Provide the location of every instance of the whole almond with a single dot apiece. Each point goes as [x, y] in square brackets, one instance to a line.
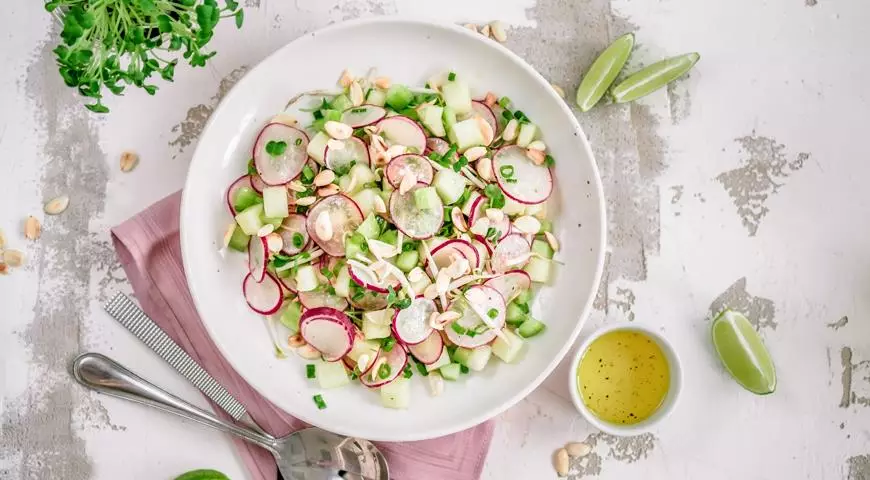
[383, 82]
[306, 201]
[498, 32]
[578, 449]
[32, 228]
[56, 206]
[559, 91]
[561, 462]
[13, 258]
[328, 190]
[129, 160]
[324, 178]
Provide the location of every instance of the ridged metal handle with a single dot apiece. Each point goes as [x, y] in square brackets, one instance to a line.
[128, 314]
[104, 375]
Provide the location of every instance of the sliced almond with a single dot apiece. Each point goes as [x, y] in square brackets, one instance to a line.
[328, 190]
[56, 205]
[308, 352]
[436, 384]
[383, 82]
[485, 30]
[356, 94]
[458, 268]
[275, 242]
[306, 201]
[295, 341]
[408, 182]
[483, 167]
[362, 363]
[338, 130]
[334, 144]
[485, 130]
[442, 281]
[558, 90]
[323, 226]
[379, 205]
[490, 100]
[527, 224]
[538, 145]
[381, 249]
[13, 258]
[32, 228]
[498, 31]
[480, 226]
[578, 449]
[510, 130]
[345, 79]
[416, 274]
[552, 241]
[433, 321]
[475, 153]
[561, 462]
[296, 186]
[129, 160]
[494, 215]
[471, 27]
[536, 156]
[265, 230]
[431, 292]
[324, 178]
[395, 151]
[458, 219]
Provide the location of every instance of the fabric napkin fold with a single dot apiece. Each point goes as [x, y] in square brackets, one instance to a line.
[150, 252]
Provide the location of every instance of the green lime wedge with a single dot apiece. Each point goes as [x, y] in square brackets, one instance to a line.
[653, 77]
[203, 475]
[742, 353]
[603, 72]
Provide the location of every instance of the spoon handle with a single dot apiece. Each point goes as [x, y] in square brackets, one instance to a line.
[104, 375]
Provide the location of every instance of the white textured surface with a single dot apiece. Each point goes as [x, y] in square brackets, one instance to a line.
[744, 183]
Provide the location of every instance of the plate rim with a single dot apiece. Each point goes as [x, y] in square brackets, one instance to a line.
[602, 227]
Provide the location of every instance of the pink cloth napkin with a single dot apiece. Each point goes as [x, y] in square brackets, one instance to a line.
[150, 253]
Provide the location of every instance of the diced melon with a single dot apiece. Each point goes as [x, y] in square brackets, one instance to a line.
[538, 269]
[317, 147]
[377, 97]
[306, 278]
[444, 359]
[275, 202]
[473, 358]
[507, 348]
[363, 174]
[457, 96]
[451, 371]
[420, 285]
[467, 134]
[527, 134]
[331, 374]
[449, 185]
[396, 394]
[541, 247]
[290, 316]
[372, 331]
[365, 199]
[363, 347]
[369, 228]
[342, 282]
[432, 117]
[250, 219]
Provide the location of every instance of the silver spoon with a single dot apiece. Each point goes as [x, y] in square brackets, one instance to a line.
[310, 454]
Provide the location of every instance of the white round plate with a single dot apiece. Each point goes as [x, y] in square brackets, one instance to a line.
[409, 52]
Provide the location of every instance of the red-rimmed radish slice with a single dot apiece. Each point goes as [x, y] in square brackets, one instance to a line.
[411, 325]
[428, 351]
[395, 358]
[510, 284]
[344, 217]
[243, 181]
[409, 163]
[353, 150]
[363, 115]
[258, 255]
[477, 302]
[444, 253]
[483, 249]
[289, 283]
[478, 210]
[499, 118]
[364, 277]
[533, 183]
[440, 146]
[280, 169]
[328, 330]
[370, 301]
[481, 110]
[401, 130]
[322, 299]
[258, 184]
[417, 223]
[264, 297]
[511, 253]
[293, 224]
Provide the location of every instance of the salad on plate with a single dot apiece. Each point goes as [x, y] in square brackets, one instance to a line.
[399, 230]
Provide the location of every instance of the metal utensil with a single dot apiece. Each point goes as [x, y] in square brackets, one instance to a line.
[310, 454]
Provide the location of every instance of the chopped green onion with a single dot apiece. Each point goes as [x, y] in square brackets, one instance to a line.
[523, 307]
[298, 142]
[307, 174]
[492, 313]
[408, 373]
[507, 171]
[451, 76]
[297, 240]
[495, 195]
[252, 170]
[504, 102]
[421, 369]
[388, 343]
[358, 110]
[460, 163]
[458, 328]
[274, 148]
[385, 371]
[317, 114]
[519, 115]
[549, 161]
[463, 369]
[318, 400]
[311, 371]
[507, 115]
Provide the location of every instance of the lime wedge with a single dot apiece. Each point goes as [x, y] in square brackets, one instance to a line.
[743, 354]
[603, 71]
[651, 78]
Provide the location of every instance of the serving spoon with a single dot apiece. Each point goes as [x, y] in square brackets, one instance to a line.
[309, 454]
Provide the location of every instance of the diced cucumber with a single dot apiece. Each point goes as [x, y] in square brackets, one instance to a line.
[275, 202]
[373, 331]
[366, 200]
[364, 347]
[450, 371]
[467, 134]
[530, 328]
[525, 296]
[250, 219]
[306, 278]
[245, 197]
[369, 228]
[466, 207]
[512, 207]
[461, 355]
[546, 226]
[398, 96]
[537, 210]
[443, 360]
[353, 246]
[426, 198]
[379, 317]
[514, 315]
[344, 185]
[406, 261]
[448, 115]
[342, 282]
[363, 174]
[317, 147]
[431, 116]
[291, 314]
[457, 96]
[331, 375]
[376, 97]
[541, 247]
[527, 134]
[538, 269]
[391, 237]
[449, 185]
[239, 241]
[479, 358]
[275, 222]
[507, 348]
[396, 394]
[341, 103]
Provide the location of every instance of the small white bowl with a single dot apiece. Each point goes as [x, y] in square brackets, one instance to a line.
[668, 404]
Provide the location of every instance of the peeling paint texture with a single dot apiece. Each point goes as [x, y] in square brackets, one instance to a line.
[761, 312]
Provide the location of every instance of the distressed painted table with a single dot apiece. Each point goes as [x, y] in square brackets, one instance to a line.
[743, 185]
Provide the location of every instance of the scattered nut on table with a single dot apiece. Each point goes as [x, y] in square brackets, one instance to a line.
[13, 258]
[32, 228]
[56, 205]
[561, 462]
[129, 160]
[578, 449]
[2, 239]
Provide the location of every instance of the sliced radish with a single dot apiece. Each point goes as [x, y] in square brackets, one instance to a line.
[409, 163]
[280, 169]
[417, 223]
[533, 183]
[510, 284]
[289, 283]
[481, 110]
[440, 146]
[511, 253]
[316, 299]
[243, 181]
[500, 122]
[478, 211]
[364, 277]
[363, 115]
[477, 302]
[370, 301]
[395, 358]
[444, 253]
[353, 150]
[293, 224]
[258, 184]
[258, 255]
[344, 217]
[483, 249]
[328, 330]
[428, 351]
[411, 325]
[264, 297]
[401, 130]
